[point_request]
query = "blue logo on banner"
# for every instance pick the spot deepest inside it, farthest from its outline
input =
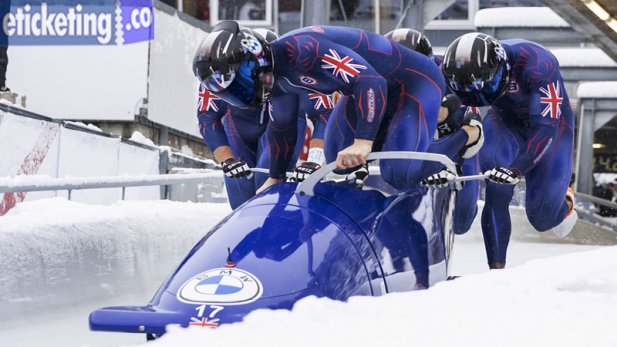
(75, 22)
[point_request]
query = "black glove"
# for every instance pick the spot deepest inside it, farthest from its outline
(443, 178)
(447, 127)
(304, 170)
(504, 175)
(236, 168)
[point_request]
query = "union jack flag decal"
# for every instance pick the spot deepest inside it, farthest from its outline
(553, 100)
(341, 67)
(206, 100)
(322, 100)
(204, 322)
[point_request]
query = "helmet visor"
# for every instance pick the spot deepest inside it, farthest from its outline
(239, 85)
(480, 85)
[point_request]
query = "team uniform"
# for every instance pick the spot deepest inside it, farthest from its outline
(530, 128)
(396, 92)
(245, 130)
(529, 132)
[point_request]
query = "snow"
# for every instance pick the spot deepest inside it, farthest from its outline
(16, 105)
(582, 57)
(518, 17)
(62, 259)
(604, 178)
(564, 300)
(601, 89)
(141, 138)
(88, 126)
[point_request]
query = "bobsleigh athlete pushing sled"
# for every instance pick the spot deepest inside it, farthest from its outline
(326, 239)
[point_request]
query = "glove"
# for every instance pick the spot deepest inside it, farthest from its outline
(358, 176)
(473, 119)
(304, 170)
(236, 168)
(443, 178)
(504, 175)
(447, 127)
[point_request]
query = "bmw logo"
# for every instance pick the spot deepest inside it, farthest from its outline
(226, 286)
(307, 80)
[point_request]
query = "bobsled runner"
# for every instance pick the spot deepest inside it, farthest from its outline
(321, 238)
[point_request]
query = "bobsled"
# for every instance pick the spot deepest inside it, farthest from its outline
(315, 238)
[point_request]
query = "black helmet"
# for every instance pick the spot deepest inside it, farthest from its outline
(412, 39)
(476, 68)
(235, 63)
(266, 34)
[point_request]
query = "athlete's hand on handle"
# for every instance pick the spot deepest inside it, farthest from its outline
(304, 170)
(354, 155)
(444, 178)
(236, 168)
(504, 175)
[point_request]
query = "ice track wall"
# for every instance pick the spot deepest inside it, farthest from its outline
(75, 253)
(39, 147)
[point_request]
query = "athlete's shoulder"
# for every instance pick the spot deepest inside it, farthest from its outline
(300, 48)
(535, 64)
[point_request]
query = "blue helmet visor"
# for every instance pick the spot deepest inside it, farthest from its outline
(480, 92)
(239, 86)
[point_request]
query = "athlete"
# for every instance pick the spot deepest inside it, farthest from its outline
(238, 140)
(397, 92)
(459, 136)
(529, 132)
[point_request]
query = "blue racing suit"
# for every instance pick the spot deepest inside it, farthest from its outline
(245, 131)
(530, 128)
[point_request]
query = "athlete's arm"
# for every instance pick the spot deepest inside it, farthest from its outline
(355, 76)
(210, 111)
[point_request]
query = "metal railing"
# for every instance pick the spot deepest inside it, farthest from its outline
(37, 184)
(587, 214)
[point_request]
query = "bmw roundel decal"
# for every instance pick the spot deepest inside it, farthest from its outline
(307, 80)
(225, 286)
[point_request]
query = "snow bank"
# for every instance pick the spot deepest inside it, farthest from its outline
(538, 17)
(582, 57)
(561, 301)
(56, 252)
(602, 89)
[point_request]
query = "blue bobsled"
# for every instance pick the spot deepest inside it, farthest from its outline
(325, 239)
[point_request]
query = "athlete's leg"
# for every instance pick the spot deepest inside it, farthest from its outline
(449, 146)
(547, 184)
(467, 198)
(263, 158)
(243, 138)
(412, 124)
(500, 148)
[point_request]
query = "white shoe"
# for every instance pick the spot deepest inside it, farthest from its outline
(565, 227)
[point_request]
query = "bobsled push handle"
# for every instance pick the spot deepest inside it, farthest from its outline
(308, 185)
(267, 171)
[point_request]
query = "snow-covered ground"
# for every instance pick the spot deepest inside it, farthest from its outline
(551, 294)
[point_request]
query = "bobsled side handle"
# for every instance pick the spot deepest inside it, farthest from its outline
(267, 171)
(308, 185)
(470, 178)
